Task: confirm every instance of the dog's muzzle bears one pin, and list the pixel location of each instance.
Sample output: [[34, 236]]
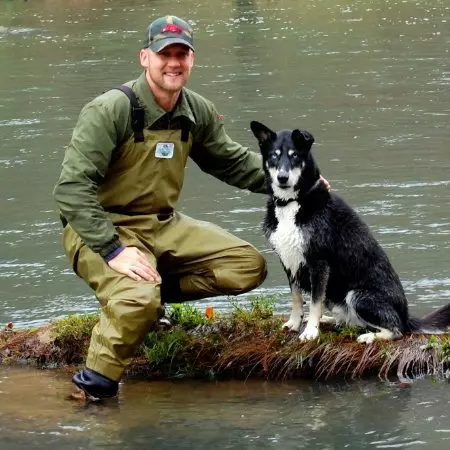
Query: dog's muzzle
[[283, 178]]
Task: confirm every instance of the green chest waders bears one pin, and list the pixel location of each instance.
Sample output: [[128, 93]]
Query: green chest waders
[[198, 259]]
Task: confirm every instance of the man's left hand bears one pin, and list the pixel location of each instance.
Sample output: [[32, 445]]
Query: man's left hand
[[325, 182]]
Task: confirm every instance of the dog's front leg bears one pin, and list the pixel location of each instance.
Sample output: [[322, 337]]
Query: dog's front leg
[[296, 318], [319, 281]]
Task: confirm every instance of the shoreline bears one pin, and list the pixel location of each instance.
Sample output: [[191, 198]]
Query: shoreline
[[245, 343]]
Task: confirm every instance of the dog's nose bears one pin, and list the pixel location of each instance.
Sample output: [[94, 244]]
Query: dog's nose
[[282, 177]]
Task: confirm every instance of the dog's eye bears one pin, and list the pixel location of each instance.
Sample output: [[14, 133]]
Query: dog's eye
[[294, 156], [273, 157]]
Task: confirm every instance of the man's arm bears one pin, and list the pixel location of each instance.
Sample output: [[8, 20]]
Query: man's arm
[[86, 161], [217, 154]]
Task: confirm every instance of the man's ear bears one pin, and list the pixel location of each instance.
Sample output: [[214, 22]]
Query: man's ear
[[144, 58], [192, 58], [303, 140], [262, 133]]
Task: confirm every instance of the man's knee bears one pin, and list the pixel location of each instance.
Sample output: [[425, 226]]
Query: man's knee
[[135, 301], [257, 269], [244, 272]]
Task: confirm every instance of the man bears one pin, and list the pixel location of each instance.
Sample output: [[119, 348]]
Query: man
[[121, 177]]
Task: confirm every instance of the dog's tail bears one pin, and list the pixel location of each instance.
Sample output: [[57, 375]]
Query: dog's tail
[[436, 322]]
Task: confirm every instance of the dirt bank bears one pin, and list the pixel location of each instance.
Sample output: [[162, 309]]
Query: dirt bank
[[246, 343]]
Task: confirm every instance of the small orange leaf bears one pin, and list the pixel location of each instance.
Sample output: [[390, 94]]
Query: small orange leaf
[[209, 312]]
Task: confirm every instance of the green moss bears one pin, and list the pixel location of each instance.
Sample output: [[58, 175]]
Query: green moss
[[74, 327]]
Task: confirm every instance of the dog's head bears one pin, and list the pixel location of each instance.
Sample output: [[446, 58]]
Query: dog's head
[[285, 156]]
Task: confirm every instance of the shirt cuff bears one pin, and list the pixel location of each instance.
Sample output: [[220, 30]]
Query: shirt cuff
[[113, 254]]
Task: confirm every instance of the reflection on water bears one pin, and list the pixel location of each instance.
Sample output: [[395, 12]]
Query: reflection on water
[[368, 78], [235, 415]]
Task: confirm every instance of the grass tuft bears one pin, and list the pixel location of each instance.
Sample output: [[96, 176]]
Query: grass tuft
[[186, 315], [73, 327], [259, 309], [162, 348]]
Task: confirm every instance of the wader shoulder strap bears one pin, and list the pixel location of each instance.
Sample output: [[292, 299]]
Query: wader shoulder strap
[[137, 113], [186, 127]]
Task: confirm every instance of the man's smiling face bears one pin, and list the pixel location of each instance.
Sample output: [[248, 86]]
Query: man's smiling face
[[168, 70]]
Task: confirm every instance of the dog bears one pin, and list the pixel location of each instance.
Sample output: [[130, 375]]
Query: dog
[[328, 251]]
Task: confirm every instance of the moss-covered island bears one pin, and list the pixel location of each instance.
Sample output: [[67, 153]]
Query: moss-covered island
[[246, 342]]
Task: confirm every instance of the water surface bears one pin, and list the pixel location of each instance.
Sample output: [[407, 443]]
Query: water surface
[[226, 415], [370, 80]]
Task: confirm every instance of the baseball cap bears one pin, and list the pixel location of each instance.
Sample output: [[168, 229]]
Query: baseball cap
[[168, 30]]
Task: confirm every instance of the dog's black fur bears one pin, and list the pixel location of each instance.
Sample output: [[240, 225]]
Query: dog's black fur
[[341, 263]]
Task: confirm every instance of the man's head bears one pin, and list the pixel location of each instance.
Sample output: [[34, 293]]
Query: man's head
[[166, 31], [167, 55]]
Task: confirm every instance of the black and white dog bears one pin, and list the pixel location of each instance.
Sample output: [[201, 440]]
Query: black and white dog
[[327, 250]]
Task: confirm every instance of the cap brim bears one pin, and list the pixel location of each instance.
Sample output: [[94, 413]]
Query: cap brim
[[163, 43]]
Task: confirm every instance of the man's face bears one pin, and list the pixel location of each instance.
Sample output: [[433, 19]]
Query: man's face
[[169, 69]]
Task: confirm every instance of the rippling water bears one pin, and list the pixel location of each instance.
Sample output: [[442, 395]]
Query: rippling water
[[370, 80], [226, 415]]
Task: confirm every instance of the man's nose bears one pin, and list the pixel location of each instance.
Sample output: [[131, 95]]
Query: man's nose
[[173, 62]]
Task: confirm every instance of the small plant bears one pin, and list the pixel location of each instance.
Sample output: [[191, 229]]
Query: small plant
[[442, 348], [259, 309], [262, 307], [161, 348], [446, 351], [349, 331], [433, 343], [186, 315]]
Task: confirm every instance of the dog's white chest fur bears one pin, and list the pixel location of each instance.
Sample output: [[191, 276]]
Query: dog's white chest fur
[[288, 240]]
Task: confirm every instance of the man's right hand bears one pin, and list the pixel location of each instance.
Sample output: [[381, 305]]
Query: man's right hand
[[133, 263]]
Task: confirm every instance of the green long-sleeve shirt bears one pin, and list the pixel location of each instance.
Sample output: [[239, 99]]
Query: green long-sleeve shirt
[[105, 123]]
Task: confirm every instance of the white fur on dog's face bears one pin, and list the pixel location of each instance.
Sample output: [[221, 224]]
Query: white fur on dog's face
[[275, 165]]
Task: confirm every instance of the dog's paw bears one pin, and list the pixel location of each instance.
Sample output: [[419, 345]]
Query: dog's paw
[[366, 338], [292, 324], [309, 334]]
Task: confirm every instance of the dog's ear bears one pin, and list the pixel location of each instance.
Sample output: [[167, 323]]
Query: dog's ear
[[303, 140], [262, 133]]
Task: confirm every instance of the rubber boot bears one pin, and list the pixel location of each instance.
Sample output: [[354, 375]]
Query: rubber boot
[[95, 386]]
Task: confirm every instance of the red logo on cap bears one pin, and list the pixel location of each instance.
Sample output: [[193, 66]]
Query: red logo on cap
[[171, 28]]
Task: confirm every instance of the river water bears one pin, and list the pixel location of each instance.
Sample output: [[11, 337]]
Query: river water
[[369, 78]]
